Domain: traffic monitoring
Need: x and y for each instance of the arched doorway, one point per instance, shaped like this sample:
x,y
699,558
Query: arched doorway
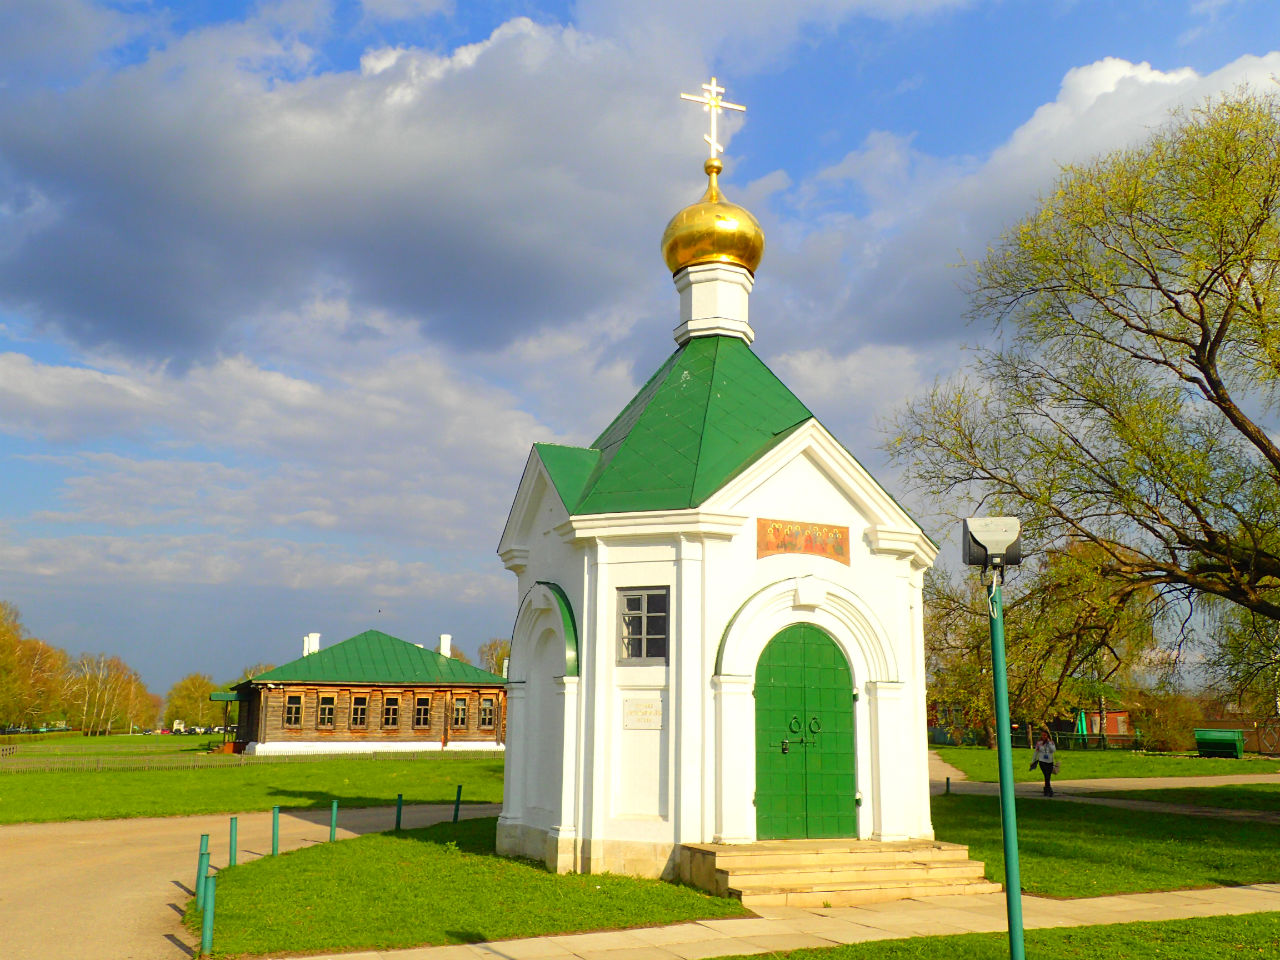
x,y
805,772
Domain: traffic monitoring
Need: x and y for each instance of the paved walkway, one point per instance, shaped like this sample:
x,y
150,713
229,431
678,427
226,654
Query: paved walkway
x,y
791,928
1080,791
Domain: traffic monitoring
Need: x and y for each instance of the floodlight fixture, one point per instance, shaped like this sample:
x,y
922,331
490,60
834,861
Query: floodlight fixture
x,y
991,542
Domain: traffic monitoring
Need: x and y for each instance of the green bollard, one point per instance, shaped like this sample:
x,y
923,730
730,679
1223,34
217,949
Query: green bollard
x,y
204,848
202,877
399,808
333,822
231,857
275,831
457,802
206,921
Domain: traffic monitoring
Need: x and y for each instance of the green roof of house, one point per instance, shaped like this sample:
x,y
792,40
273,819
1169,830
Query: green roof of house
x,y
712,409
376,657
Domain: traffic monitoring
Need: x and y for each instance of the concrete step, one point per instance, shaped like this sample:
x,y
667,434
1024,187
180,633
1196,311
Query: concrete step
x,y
758,855
857,896
798,877
839,872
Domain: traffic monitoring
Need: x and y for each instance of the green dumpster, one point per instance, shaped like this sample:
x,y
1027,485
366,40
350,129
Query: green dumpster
x,y
1220,743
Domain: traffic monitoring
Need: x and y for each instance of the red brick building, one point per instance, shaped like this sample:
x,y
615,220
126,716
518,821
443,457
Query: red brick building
x,y
371,692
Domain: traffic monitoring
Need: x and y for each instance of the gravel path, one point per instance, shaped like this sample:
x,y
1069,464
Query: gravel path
x,y
115,889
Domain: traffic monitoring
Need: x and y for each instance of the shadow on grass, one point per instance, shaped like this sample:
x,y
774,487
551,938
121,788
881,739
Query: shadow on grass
x,y
294,799
1073,850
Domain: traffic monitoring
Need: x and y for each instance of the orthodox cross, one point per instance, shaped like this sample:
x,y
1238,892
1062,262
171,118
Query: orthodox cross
x,y
712,104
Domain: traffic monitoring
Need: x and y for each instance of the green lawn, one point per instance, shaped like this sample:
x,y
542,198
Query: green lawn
x,y
1240,796
354,781
1083,850
439,885
1201,938
979,763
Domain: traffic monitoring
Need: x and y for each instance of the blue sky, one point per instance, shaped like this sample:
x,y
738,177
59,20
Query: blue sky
x,y
288,289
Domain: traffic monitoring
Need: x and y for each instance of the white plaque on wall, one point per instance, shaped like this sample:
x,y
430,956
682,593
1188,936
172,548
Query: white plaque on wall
x,y
641,714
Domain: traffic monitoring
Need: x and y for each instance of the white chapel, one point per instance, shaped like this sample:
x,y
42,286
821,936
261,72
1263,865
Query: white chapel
x,y
719,637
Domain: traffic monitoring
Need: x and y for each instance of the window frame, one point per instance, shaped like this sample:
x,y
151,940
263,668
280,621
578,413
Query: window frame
x,y
422,709
489,705
391,713
297,721
624,640
361,704
466,712
326,713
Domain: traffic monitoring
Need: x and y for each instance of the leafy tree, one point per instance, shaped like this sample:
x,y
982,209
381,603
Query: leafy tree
x,y
32,674
493,653
1130,401
104,693
188,701
1072,639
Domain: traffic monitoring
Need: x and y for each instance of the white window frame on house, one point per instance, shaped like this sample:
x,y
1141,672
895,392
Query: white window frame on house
x,y
390,713
421,712
642,630
359,712
325,712
487,713
459,711
293,706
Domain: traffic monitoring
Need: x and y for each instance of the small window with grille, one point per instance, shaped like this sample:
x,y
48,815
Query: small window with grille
x,y
325,717
642,624
422,712
293,711
391,712
359,711
486,712
459,711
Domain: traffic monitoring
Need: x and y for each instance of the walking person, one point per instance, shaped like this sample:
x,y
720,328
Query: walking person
x,y
1045,749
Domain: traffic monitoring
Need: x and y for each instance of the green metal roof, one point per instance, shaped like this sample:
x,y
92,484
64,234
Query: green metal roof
x,y
712,409
376,657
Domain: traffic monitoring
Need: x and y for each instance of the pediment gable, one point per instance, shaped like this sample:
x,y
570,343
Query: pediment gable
x,y
538,505
889,529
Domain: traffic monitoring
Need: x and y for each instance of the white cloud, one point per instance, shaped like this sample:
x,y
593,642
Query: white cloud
x,y
210,559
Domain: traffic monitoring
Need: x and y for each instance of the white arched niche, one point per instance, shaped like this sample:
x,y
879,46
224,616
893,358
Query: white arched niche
x,y
542,712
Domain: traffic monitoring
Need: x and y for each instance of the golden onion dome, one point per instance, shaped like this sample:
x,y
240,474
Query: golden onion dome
x,y
713,230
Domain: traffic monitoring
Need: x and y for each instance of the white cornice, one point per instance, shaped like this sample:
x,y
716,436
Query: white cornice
x,y
651,523
909,544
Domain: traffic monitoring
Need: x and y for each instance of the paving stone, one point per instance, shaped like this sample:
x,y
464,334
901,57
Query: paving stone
x,y
680,933
726,947
647,952
611,940
789,941
536,949
747,926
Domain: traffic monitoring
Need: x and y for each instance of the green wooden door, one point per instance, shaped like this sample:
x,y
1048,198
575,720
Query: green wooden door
x,y
805,782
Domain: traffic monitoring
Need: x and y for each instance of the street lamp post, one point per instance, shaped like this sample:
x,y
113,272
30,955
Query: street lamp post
x,y
994,542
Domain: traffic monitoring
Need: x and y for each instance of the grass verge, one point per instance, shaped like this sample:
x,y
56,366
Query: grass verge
x,y
353,781
438,885
1240,796
979,763
1201,938
117,744
1083,850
